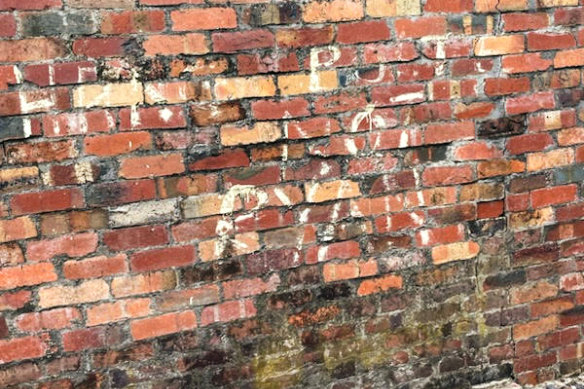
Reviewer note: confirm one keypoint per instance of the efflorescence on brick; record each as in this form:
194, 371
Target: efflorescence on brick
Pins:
317, 193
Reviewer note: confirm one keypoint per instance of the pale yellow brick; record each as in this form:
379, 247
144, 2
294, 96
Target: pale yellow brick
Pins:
391, 8
297, 84
109, 95
261, 132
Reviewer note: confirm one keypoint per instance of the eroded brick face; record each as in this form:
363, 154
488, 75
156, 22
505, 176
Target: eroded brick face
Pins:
274, 194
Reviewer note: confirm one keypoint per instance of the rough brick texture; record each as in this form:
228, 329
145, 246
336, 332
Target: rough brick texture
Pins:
276, 194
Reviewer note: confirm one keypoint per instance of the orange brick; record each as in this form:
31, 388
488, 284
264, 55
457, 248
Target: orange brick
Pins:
26, 275
318, 11
110, 145
163, 325
297, 84
261, 132
320, 192
491, 45
379, 285
244, 87
48, 320
569, 58
454, 252
348, 270
203, 19
176, 44
23, 348
143, 283
533, 328
17, 229
85, 292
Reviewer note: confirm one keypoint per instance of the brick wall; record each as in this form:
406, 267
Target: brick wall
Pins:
272, 194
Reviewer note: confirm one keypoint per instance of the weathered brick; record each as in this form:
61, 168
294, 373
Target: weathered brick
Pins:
76, 245
23, 348
95, 267
110, 95
85, 292
143, 283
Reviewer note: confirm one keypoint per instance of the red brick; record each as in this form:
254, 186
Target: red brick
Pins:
22, 5
230, 42
99, 47
249, 64
121, 192
228, 159
445, 133
129, 22
421, 27
376, 52
358, 32
48, 320
438, 176
304, 36
34, 101
531, 103
62, 73
136, 237
187, 185
163, 325
477, 151
163, 258
7, 25
76, 245
152, 118
22, 348
66, 124
506, 86
32, 49
440, 235
14, 301
55, 200
490, 210
525, 63
88, 338
116, 144
212, 114
452, 6
249, 287
9, 75
540, 41
340, 250
399, 221
466, 67
201, 229
554, 195
525, 21
95, 267
156, 165
228, 311
398, 94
